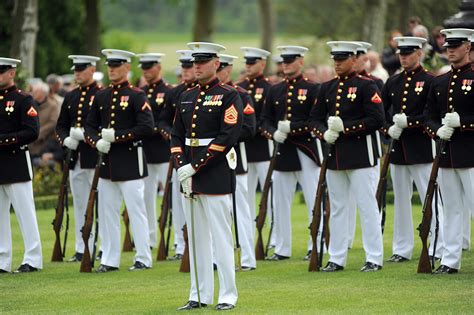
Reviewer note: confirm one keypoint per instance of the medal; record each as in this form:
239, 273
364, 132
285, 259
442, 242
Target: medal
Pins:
9, 107
419, 87
352, 93
302, 95
160, 97
124, 102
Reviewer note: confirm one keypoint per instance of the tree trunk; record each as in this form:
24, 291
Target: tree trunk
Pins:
24, 31
404, 7
204, 20
267, 27
92, 27
374, 26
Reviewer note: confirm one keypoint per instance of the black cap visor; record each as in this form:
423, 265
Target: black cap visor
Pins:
186, 63
147, 64
79, 67
455, 42
201, 58
114, 63
5, 68
289, 58
341, 55
251, 60
407, 50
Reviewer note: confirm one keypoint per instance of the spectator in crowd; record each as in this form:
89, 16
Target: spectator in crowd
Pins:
431, 60
375, 67
390, 60
311, 72
55, 83
48, 115
68, 84
413, 21
437, 40
325, 73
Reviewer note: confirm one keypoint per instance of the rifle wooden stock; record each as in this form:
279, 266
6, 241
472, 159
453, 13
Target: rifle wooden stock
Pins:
58, 219
262, 210
424, 265
87, 263
184, 267
127, 241
317, 214
165, 208
382, 184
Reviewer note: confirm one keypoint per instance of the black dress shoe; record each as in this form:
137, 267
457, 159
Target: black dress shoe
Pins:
436, 258
224, 306
276, 257
137, 266
368, 267
308, 255
25, 268
105, 268
397, 258
77, 257
4, 271
246, 268
443, 269
190, 306
176, 257
99, 255
332, 267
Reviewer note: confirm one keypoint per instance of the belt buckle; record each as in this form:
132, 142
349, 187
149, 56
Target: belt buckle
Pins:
194, 142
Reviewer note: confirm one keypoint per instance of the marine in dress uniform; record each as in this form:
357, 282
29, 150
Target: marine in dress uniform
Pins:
259, 148
70, 133
120, 117
19, 126
207, 125
355, 112
245, 216
404, 97
450, 118
165, 125
156, 146
285, 117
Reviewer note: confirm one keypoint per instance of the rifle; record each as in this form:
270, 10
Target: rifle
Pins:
168, 236
424, 265
165, 209
87, 263
382, 185
262, 209
272, 223
57, 223
314, 264
127, 241
184, 267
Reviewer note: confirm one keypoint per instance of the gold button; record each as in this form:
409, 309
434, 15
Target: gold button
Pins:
83, 93
79, 118
150, 90
338, 97
79, 112
339, 90
337, 105
450, 106
194, 116
115, 92
455, 76
450, 99
193, 125
112, 115
149, 95
199, 100
405, 92
80, 105
202, 93
112, 122
289, 107
288, 101
291, 87
341, 84
81, 99
114, 99
251, 85
404, 106
409, 79
337, 112
450, 90
196, 108
407, 84
452, 83
289, 115
112, 107
404, 99
193, 134
290, 94
360, 126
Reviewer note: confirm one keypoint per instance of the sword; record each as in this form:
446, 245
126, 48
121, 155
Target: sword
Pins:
140, 157
28, 160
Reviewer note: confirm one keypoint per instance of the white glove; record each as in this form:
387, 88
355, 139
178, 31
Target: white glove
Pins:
452, 120
400, 120
108, 134
445, 132
77, 133
330, 136
335, 124
71, 143
187, 187
103, 146
279, 136
395, 132
185, 172
284, 126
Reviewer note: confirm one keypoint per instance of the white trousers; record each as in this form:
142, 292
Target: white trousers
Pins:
178, 214
110, 201
458, 197
20, 195
80, 181
284, 186
245, 223
156, 174
257, 173
466, 229
403, 177
362, 183
212, 230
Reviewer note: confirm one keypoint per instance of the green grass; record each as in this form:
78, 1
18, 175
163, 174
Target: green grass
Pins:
275, 287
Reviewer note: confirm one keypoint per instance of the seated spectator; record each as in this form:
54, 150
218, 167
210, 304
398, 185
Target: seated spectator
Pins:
413, 21
55, 83
431, 60
325, 73
390, 60
48, 115
375, 67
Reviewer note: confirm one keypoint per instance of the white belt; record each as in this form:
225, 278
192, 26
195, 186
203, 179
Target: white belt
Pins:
193, 142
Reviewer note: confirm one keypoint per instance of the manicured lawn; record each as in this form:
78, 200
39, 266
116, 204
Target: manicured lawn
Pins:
281, 287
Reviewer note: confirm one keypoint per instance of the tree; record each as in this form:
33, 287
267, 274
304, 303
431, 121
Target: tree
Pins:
24, 31
267, 28
373, 30
92, 27
204, 20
